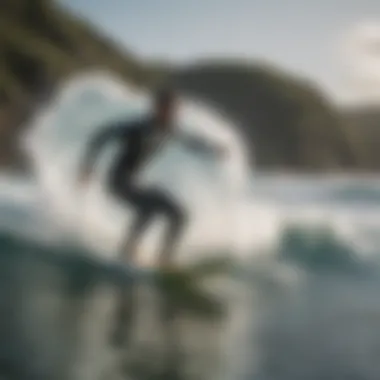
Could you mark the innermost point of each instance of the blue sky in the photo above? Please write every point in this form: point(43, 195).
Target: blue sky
point(302, 36)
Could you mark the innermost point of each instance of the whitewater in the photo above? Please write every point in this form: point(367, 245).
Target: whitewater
point(304, 303)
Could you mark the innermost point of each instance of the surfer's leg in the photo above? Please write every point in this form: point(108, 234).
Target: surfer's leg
point(127, 303)
point(147, 204)
point(130, 242)
point(177, 223)
point(161, 203)
point(131, 195)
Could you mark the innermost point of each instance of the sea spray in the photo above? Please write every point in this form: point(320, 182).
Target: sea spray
point(209, 190)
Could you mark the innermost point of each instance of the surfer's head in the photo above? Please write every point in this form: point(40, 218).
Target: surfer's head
point(165, 102)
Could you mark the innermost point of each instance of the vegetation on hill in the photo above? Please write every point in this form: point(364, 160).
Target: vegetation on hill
point(40, 45)
point(363, 125)
point(286, 120)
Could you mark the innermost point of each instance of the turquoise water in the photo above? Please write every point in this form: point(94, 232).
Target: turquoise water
point(306, 248)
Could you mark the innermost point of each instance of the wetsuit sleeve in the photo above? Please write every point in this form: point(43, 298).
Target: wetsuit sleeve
point(198, 145)
point(98, 141)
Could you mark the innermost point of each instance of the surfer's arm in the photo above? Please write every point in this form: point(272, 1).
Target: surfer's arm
point(96, 143)
point(199, 145)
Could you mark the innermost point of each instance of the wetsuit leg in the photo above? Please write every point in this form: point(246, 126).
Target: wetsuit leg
point(128, 193)
point(155, 202)
point(130, 242)
point(126, 304)
point(148, 203)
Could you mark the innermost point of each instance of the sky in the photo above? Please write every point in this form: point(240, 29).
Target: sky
point(315, 38)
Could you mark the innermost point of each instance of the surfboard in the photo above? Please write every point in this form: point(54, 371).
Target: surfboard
point(181, 287)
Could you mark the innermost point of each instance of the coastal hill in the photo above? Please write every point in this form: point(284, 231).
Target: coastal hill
point(362, 123)
point(285, 119)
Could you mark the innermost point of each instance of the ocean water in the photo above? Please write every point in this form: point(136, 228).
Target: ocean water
point(303, 301)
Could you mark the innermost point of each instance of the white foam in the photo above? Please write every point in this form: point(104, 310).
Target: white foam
point(57, 140)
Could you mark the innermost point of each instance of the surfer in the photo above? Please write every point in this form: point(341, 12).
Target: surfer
point(139, 140)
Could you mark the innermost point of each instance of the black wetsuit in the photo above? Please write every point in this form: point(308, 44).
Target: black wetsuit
point(139, 140)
